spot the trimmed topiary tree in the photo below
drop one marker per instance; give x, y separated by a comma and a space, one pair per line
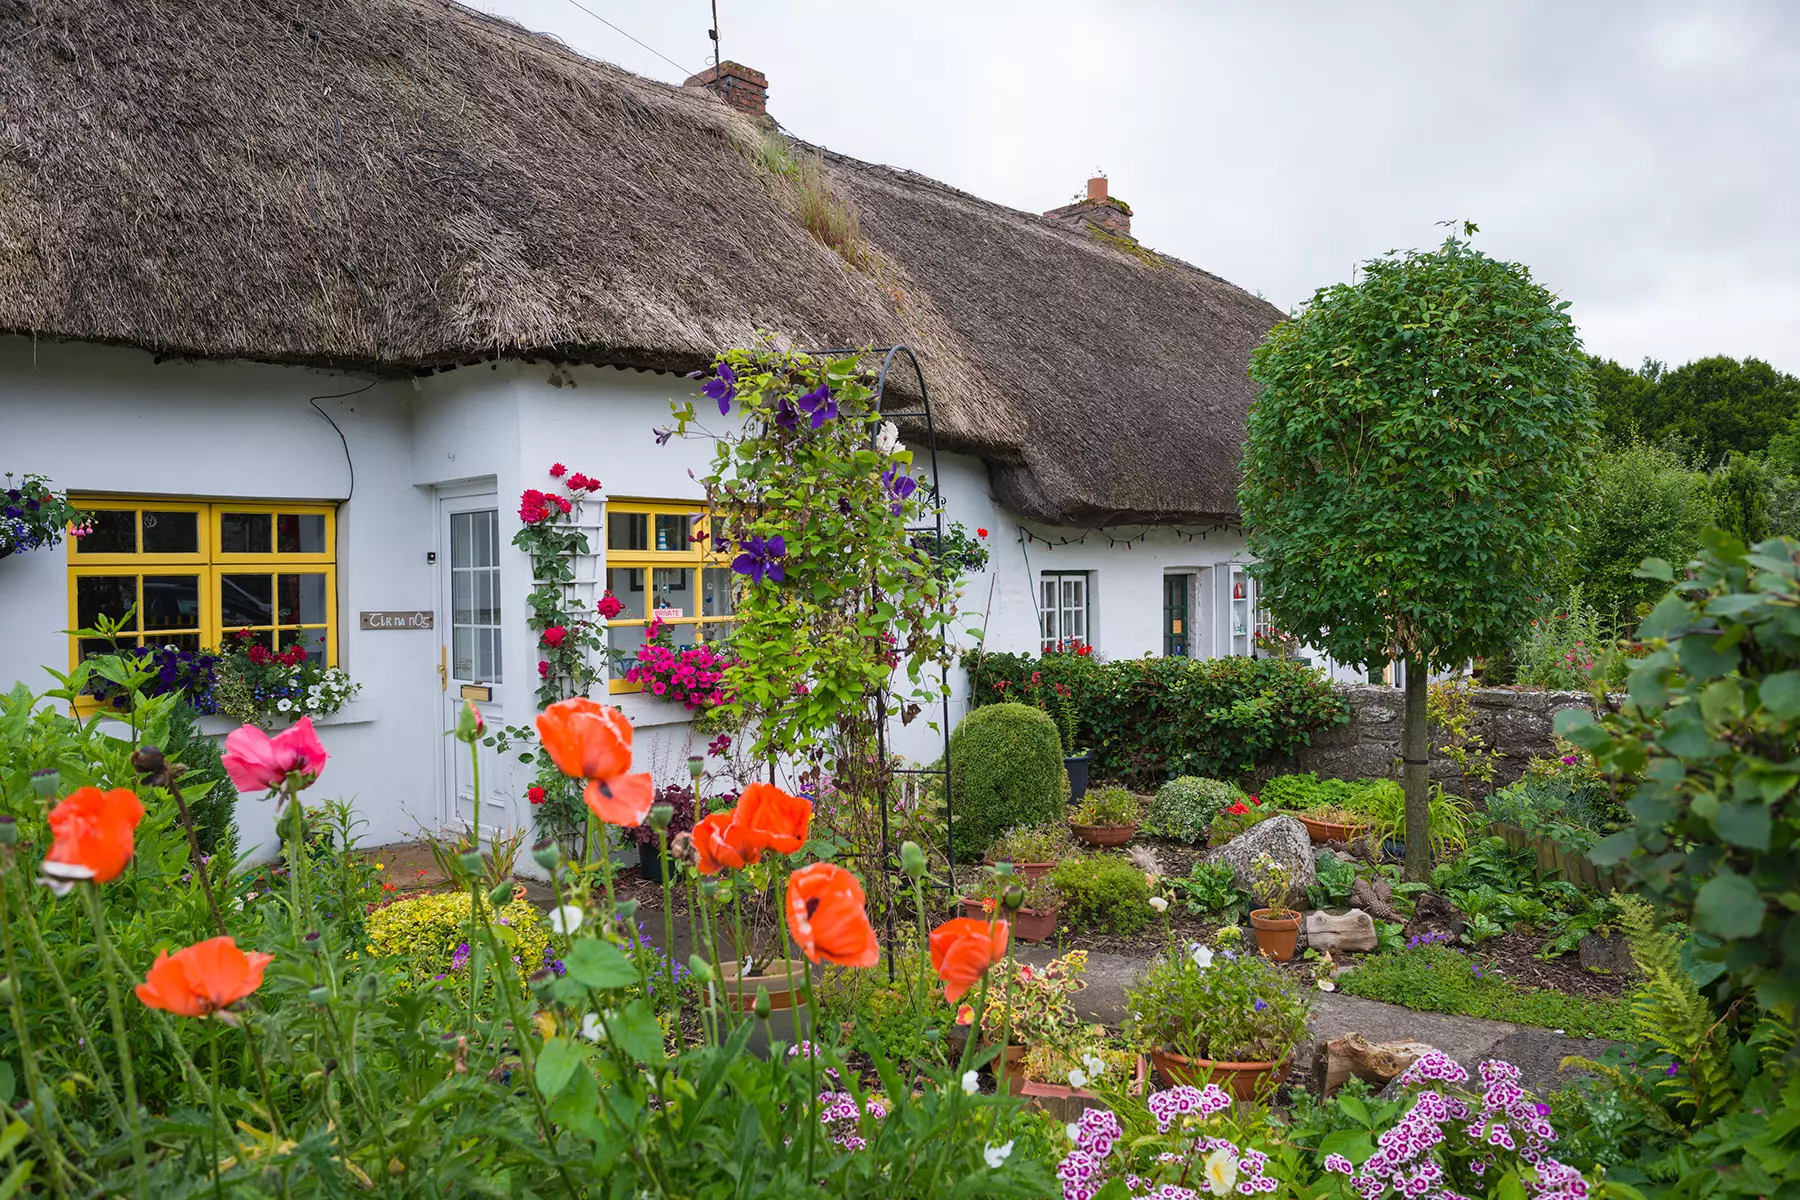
1411, 466
1006, 770
1184, 808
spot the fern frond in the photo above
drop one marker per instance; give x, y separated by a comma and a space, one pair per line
1632, 1091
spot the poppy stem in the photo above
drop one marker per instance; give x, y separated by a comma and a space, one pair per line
35, 1087
90, 895
167, 777
662, 849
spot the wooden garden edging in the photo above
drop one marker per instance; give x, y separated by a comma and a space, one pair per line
1563, 863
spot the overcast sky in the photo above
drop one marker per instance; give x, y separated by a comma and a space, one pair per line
1642, 158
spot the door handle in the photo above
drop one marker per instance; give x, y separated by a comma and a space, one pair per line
443, 668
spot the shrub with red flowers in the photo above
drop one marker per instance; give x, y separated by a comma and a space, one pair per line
567, 636
695, 676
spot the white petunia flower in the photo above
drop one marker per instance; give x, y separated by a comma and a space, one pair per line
1096, 1066
565, 920
996, 1155
1159, 904
592, 1029
284, 704
1078, 1078
971, 1082
1203, 957
1221, 1171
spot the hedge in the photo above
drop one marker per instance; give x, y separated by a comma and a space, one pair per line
1150, 719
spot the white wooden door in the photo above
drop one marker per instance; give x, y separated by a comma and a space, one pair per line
472, 668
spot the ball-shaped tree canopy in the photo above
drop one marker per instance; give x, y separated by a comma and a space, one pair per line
1414, 455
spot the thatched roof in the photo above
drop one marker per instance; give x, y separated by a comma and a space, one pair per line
401, 185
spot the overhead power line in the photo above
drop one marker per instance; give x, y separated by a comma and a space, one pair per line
646, 45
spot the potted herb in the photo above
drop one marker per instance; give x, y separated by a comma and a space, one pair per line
1032, 850
1109, 817
1042, 1012
1215, 1014
1332, 823
1277, 926
651, 862
1036, 919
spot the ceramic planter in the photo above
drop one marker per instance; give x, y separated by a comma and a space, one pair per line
1028, 924
1104, 835
1027, 871
1275, 936
1067, 1103
1320, 832
1244, 1080
772, 975
1077, 767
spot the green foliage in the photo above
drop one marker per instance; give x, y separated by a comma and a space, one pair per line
1710, 725
423, 933
1720, 405
1566, 647
1208, 1003
1383, 802
1237, 817
1413, 457
1184, 808
1147, 719
208, 791
1622, 399
1336, 876
1105, 891
1211, 890
1305, 792
1740, 491
1436, 978
1006, 768
1044, 843
1108, 806
1645, 501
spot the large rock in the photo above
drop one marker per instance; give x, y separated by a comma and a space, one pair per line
1353, 931
1283, 839
1609, 954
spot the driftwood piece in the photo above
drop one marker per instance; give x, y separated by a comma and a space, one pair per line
1375, 1063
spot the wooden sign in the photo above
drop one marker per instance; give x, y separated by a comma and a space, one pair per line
417, 619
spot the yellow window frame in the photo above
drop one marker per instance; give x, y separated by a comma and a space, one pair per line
210, 565
697, 557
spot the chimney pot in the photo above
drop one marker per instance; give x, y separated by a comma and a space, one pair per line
742, 87
1098, 211
1097, 189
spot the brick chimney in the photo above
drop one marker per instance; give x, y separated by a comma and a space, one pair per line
739, 86
1099, 210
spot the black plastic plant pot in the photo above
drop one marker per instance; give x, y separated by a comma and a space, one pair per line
650, 862
1077, 766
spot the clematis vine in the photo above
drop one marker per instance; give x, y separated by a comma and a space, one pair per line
820, 405
722, 387
762, 559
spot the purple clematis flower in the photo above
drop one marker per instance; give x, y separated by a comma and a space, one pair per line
786, 415
761, 559
721, 387
820, 403
899, 487
663, 435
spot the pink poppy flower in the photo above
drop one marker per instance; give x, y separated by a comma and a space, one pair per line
257, 762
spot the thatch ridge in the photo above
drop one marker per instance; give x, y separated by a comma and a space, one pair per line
404, 185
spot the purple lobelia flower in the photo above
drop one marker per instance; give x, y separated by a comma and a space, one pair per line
820, 404
721, 387
761, 559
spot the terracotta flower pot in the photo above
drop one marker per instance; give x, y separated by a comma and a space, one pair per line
1028, 924
1104, 835
1028, 871
772, 975
1319, 832
1275, 936
1013, 1061
1244, 1080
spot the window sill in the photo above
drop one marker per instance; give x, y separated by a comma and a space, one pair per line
646, 710
357, 712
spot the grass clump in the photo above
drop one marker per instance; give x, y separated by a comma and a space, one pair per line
1439, 979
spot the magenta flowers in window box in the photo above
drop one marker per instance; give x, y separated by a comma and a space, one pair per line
695, 676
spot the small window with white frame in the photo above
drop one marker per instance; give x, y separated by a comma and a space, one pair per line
1064, 608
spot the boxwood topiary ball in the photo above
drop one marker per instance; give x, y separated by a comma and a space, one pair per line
1006, 769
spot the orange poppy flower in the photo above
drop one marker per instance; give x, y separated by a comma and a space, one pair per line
93, 836
718, 847
592, 741
770, 819
963, 949
827, 918
203, 978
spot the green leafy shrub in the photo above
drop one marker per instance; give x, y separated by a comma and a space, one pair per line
1336, 876
1048, 842
1219, 1002
1211, 889
427, 932
1711, 724
1184, 808
1149, 719
1006, 765
1304, 792
1565, 647
1383, 802
1436, 978
1104, 891
1108, 806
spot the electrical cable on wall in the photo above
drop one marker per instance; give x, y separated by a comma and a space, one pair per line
348, 461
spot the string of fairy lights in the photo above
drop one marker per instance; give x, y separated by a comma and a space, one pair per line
1113, 535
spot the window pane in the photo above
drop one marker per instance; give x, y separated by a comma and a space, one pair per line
246, 600
312, 639
256, 637
302, 599
181, 641
715, 592
716, 633
487, 597
171, 533
462, 597
300, 533
103, 595
93, 646
115, 532
244, 533
627, 531
171, 602
622, 642
672, 530
484, 537
462, 652
494, 666
672, 590
627, 586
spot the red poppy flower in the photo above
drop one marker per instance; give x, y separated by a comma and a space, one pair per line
962, 950
770, 819
93, 836
827, 917
720, 845
593, 742
203, 978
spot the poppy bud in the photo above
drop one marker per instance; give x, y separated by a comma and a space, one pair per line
627, 909
469, 724
9, 832
709, 888
763, 1006
6, 989
696, 765
548, 855
700, 968
661, 815
47, 782
1013, 899
471, 861
501, 894
912, 860
320, 996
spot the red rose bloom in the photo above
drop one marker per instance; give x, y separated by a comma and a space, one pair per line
609, 606
557, 469
553, 636
534, 794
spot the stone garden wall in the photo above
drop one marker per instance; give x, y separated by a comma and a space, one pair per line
1515, 723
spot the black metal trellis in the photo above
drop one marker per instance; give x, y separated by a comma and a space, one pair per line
936, 529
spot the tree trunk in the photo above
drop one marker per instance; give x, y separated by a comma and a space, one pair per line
1415, 750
